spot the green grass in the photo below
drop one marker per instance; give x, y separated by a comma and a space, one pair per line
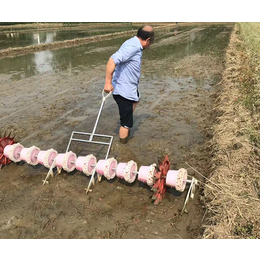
251, 35
250, 79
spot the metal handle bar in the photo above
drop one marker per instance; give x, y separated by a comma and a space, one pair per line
105, 97
102, 104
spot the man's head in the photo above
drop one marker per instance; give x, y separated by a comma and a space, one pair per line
146, 36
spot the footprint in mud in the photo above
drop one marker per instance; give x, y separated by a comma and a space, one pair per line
123, 153
138, 118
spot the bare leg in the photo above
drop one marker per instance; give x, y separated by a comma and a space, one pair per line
123, 132
134, 106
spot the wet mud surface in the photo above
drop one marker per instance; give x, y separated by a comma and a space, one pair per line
43, 107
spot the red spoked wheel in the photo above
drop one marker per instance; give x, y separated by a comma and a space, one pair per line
159, 186
4, 141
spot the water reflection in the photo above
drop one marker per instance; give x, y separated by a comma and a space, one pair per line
190, 40
13, 40
167, 46
189, 46
38, 38
12, 36
43, 61
22, 39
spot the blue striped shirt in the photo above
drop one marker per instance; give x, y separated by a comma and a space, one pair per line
128, 69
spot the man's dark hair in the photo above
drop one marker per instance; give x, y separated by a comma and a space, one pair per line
144, 35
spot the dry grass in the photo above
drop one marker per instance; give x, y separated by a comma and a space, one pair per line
232, 202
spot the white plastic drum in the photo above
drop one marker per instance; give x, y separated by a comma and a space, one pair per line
13, 152
129, 170
120, 170
110, 168
177, 179
29, 155
67, 161
146, 174
86, 164
46, 158
107, 168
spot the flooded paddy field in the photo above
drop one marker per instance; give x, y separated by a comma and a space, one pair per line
47, 95
11, 38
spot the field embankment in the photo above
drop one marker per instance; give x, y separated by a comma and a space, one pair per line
232, 191
17, 51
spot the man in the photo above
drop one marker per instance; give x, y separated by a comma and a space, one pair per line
123, 72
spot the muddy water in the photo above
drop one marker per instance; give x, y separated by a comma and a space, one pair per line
47, 95
18, 38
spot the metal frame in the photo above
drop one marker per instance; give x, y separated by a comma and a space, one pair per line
95, 142
90, 140
190, 194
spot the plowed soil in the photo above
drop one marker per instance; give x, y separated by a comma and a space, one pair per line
171, 116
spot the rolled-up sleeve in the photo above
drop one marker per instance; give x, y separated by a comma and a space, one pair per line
124, 53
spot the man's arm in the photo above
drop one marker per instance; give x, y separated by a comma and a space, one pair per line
109, 75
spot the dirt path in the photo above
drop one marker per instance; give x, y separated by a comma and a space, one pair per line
172, 114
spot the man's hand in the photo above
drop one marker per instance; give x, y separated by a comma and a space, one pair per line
108, 87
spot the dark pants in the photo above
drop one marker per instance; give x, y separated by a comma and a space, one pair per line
125, 107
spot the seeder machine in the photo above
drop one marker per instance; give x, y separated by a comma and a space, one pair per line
158, 177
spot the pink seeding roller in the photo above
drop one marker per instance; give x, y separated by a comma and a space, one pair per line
29, 155
67, 161
127, 171
146, 174
107, 168
46, 158
177, 179
13, 152
86, 164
